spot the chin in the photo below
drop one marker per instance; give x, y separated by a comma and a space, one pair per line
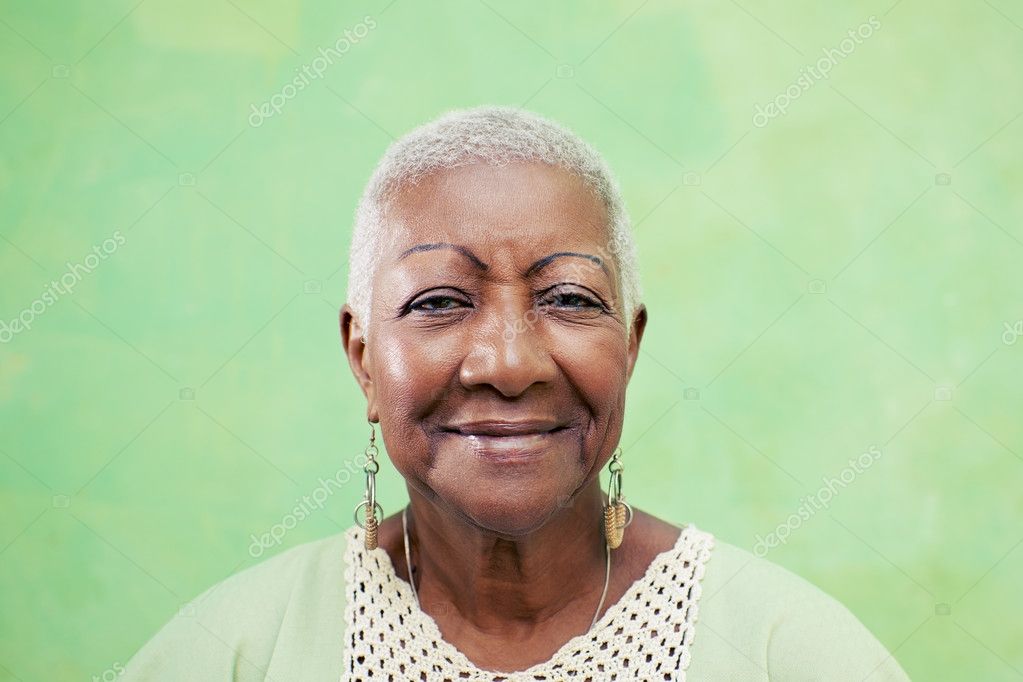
510, 513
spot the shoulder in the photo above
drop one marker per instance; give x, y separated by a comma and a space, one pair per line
283, 614
758, 620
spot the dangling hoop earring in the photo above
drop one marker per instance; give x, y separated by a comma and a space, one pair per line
617, 513
369, 499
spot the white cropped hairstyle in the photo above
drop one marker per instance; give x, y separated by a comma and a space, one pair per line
496, 135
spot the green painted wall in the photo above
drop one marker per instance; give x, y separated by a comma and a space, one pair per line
838, 278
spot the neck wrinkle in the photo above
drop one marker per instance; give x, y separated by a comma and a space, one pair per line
499, 585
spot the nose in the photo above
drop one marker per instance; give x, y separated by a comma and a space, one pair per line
508, 350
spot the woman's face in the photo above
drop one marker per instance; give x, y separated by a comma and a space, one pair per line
497, 358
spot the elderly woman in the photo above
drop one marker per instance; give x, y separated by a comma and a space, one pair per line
493, 322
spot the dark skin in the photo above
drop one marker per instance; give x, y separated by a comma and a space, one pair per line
506, 542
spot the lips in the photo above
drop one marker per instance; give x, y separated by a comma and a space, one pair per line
505, 441
506, 428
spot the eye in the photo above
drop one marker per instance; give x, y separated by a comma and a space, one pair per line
572, 300
437, 303
575, 300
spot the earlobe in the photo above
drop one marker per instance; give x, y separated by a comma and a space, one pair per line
372, 415
639, 320
352, 338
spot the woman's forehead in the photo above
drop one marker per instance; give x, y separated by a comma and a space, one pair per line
499, 205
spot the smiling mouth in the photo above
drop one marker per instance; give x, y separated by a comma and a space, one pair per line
508, 447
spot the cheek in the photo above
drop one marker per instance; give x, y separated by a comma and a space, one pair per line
595, 366
412, 377
596, 369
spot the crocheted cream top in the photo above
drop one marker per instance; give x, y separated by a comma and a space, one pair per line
646, 635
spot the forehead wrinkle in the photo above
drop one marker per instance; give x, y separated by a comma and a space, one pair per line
546, 260
529, 272
480, 265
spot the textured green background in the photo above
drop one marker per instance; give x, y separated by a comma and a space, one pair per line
846, 276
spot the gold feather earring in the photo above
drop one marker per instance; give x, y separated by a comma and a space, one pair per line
370, 520
617, 513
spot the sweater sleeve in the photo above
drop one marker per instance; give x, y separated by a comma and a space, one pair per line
279, 620
214, 637
759, 621
823, 640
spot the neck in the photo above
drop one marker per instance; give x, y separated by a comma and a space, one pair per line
499, 584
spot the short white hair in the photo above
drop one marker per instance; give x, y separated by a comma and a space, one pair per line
495, 135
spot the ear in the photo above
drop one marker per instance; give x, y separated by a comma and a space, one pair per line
359, 361
635, 338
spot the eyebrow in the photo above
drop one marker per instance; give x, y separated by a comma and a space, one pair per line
543, 262
480, 265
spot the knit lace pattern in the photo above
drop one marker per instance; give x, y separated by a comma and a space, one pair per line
645, 635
